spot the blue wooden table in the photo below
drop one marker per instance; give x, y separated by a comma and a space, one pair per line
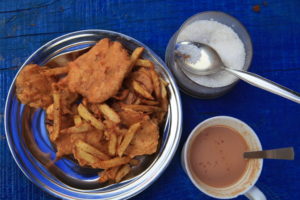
275, 30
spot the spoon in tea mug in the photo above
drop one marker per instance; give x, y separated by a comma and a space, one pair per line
208, 61
282, 153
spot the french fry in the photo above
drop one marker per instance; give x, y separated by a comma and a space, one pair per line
90, 156
139, 88
144, 63
135, 55
112, 172
77, 120
149, 102
112, 144
56, 71
134, 162
83, 157
85, 114
92, 150
164, 97
109, 113
103, 176
108, 174
137, 101
83, 127
114, 162
49, 112
164, 82
163, 103
124, 170
127, 138
56, 115
145, 71
156, 83
120, 138
141, 108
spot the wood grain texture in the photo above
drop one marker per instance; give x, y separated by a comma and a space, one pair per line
26, 25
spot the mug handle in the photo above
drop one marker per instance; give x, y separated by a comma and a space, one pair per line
255, 194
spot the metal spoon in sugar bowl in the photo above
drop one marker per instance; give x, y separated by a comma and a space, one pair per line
205, 60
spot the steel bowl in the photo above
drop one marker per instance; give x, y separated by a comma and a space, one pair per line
186, 81
33, 152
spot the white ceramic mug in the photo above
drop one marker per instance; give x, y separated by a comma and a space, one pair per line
246, 184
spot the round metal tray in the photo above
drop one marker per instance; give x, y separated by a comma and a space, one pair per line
32, 150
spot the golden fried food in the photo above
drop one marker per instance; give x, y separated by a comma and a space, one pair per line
86, 154
114, 162
79, 128
129, 117
112, 144
134, 162
64, 144
56, 115
85, 114
57, 71
145, 141
144, 63
77, 120
108, 174
33, 87
109, 113
141, 90
130, 98
143, 77
141, 108
128, 138
102, 108
156, 83
121, 94
68, 98
125, 169
149, 102
99, 73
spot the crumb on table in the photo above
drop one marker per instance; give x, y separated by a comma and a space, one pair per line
256, 8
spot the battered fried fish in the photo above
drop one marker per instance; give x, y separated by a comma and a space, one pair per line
145, 141
33, 87
129, 117
65, 143
99, 73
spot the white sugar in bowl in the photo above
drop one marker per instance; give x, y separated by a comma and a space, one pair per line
227, 36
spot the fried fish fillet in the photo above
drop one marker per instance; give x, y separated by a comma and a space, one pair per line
145, 140
33, 87
129, 117
99, 73
64, 143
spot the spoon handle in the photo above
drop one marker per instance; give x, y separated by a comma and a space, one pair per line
283, 153
265, 84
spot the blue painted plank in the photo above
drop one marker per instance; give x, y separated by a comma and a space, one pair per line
275, 30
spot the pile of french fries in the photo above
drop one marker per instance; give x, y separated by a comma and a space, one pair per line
97, 136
